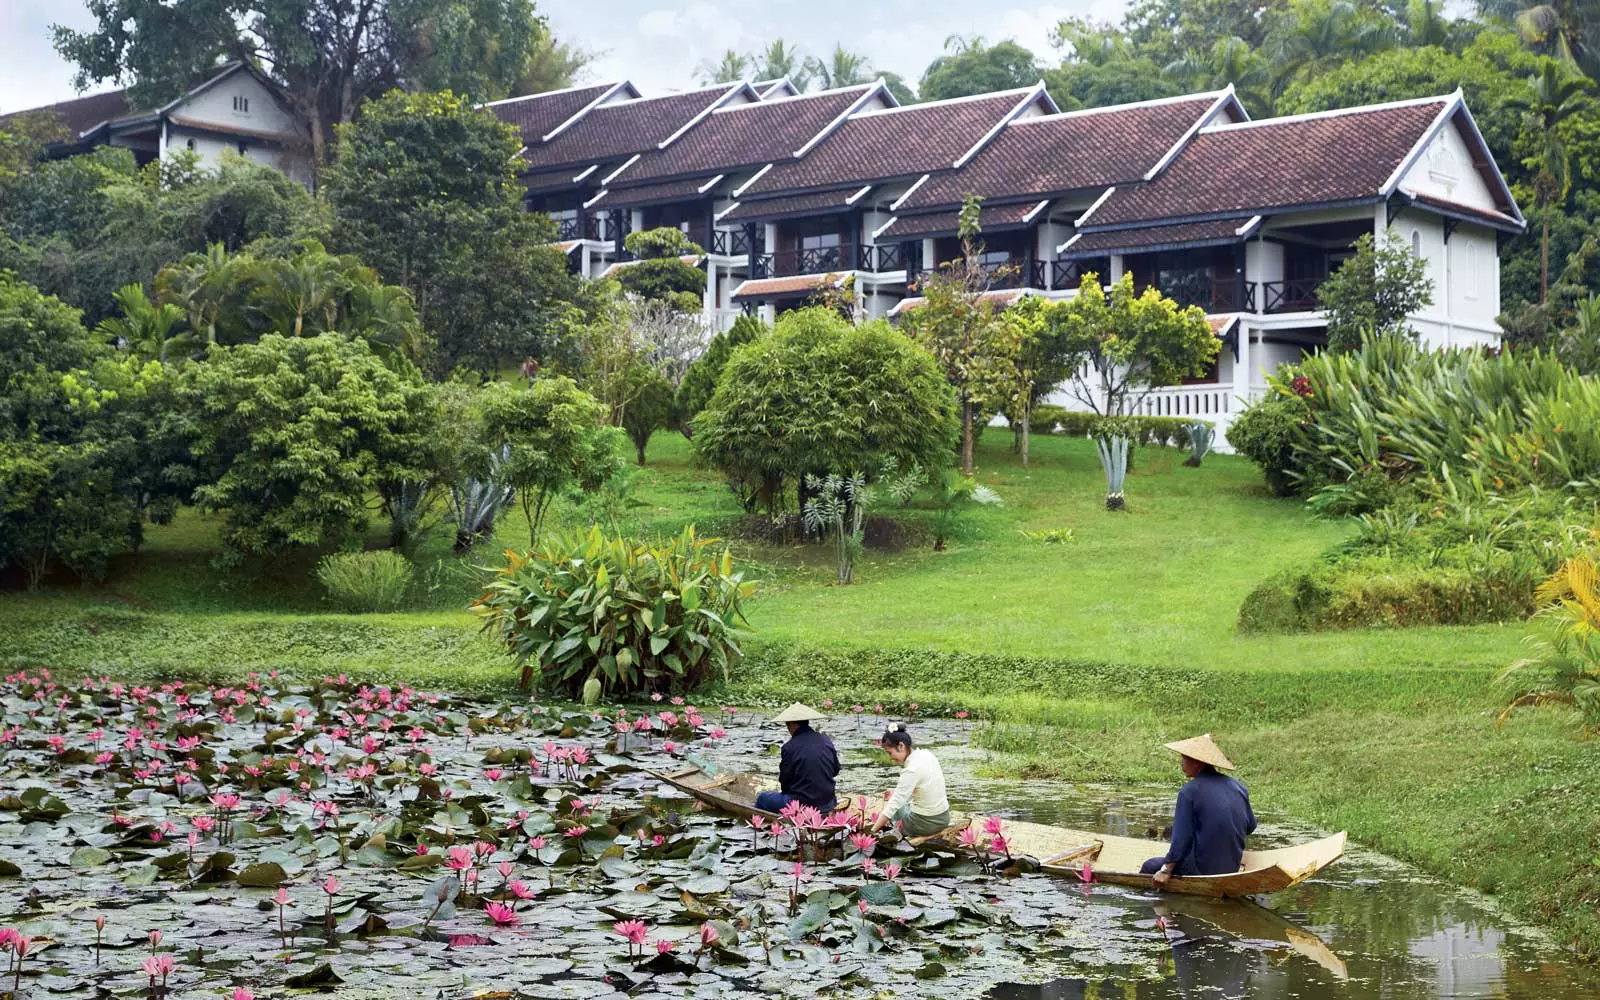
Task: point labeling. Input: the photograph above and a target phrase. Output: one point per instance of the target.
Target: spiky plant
(1201, 434)
(1113, 448)
(1565, 666)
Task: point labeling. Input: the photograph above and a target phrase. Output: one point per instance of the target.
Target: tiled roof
(745, 135)
(1057, 153)
(1000, 296)
(900, 142)
(1498, 219)
(536, 115)
(617, 131)
(1177, 237)
(947, 223)
(800, 204)
(1245, 169)
(795, 285)
(693, 260)
(81, 114)
(653, 194)
(551, 180)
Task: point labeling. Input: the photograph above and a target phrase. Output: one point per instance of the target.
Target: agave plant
(1113, 448)
(1201, 434)
(475, 504)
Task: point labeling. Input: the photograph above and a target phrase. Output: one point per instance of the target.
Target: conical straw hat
(1203, 749)
(798, 713)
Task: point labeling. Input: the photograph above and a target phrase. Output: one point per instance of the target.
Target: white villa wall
(1445, 170)
(1263, 261)
(1466, 281)
(214, 106)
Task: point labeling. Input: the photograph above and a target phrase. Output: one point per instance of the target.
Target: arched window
(1416, 243)
(191, 145)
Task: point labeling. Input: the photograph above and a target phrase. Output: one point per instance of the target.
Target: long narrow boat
(1060, 851)
(1117, 859)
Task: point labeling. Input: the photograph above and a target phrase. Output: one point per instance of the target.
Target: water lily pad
(321, 975)
(89, 857)
(263, 875)
(883, 894)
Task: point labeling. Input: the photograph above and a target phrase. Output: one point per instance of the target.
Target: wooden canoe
(733, 792)
(1061, 852)
(1117, 859)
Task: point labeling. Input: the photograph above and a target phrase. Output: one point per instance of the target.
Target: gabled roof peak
(767, 102)
(608, 87)
(991, 95)
(1204, 95)
(1336, 112)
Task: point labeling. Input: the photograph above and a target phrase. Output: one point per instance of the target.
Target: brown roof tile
(536, 115)
(617, 131)
(1499, 219)
(800, 204)
(798, 284)
(1003, 297)
(653, 194)
(1243, 170)
(900, 142)
(1056, 153)
(1177, 237)
(551, 180)
(745, 135)
(83, 113)
(945, 223)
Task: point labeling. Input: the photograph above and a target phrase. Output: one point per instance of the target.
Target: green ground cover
(1084, 656)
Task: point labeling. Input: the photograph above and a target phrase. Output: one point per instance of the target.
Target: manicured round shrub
(1266, 433)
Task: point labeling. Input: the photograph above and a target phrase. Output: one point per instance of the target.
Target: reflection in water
(1368, 928)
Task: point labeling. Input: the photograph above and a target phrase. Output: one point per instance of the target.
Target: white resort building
(792, 193)
(231, 111)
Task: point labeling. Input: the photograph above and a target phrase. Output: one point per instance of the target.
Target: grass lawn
(1085, 656)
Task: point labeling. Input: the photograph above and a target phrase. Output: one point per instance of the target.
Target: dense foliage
(1473, 474)
(322, 58)
(294, 436)
(1373, 292)
(84, 227)
(819, 395)
(423, 188)
(636, 616)
(1564, 665)
(700, 380)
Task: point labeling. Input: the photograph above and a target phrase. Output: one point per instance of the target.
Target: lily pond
(266, 840)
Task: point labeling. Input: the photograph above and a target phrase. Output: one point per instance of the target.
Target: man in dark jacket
(1212, 818)
(808, 765)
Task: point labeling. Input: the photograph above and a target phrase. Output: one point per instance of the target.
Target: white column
(1243, 370)
(1116, 269)
(927, 255)
(708, 299)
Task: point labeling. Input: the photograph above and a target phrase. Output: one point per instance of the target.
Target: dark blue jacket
(1209, 825)
(808, 767)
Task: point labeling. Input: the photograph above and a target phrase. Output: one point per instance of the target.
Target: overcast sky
(655, 43)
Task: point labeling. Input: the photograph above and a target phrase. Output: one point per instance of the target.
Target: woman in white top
(918, 802)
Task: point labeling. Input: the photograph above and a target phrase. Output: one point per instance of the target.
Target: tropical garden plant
(633, 616)
(1563, 666)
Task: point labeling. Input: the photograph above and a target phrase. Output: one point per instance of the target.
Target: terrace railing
(884, 257)
(1294, 295)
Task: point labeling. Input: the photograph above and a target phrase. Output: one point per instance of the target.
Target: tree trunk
(1027, 429)
(966, 438)
(1544, 256)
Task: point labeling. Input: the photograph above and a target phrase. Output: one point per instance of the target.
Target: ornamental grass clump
(630, 614)
(361, 582)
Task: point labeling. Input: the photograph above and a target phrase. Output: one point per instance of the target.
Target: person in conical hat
(808, 766)
(1211, 820)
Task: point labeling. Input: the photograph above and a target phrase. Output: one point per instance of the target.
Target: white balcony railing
(1204, 401)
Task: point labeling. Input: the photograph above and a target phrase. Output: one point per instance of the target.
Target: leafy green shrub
(1423, 561)
(700, 381)
(821, 395)
(1565, 666)
(1167, 431)
(1265, 433)
(360, 582)
(1044, 418)
(1049, 536)
(634, 615)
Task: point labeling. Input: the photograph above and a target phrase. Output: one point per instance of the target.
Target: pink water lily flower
(502, 915)
(331, 885)
(708, 935)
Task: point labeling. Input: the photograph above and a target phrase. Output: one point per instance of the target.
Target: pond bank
(1406, 757)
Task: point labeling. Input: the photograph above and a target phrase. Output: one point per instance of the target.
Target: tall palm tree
(1555, 95)
(1091, 44)
(302, 296)
(1328, 32)
(843, 69)
(1567, 29)
(730, 69)
(207, 286)
(1427, 24)
(779, 60)
(144, 329)
(1230, 60)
